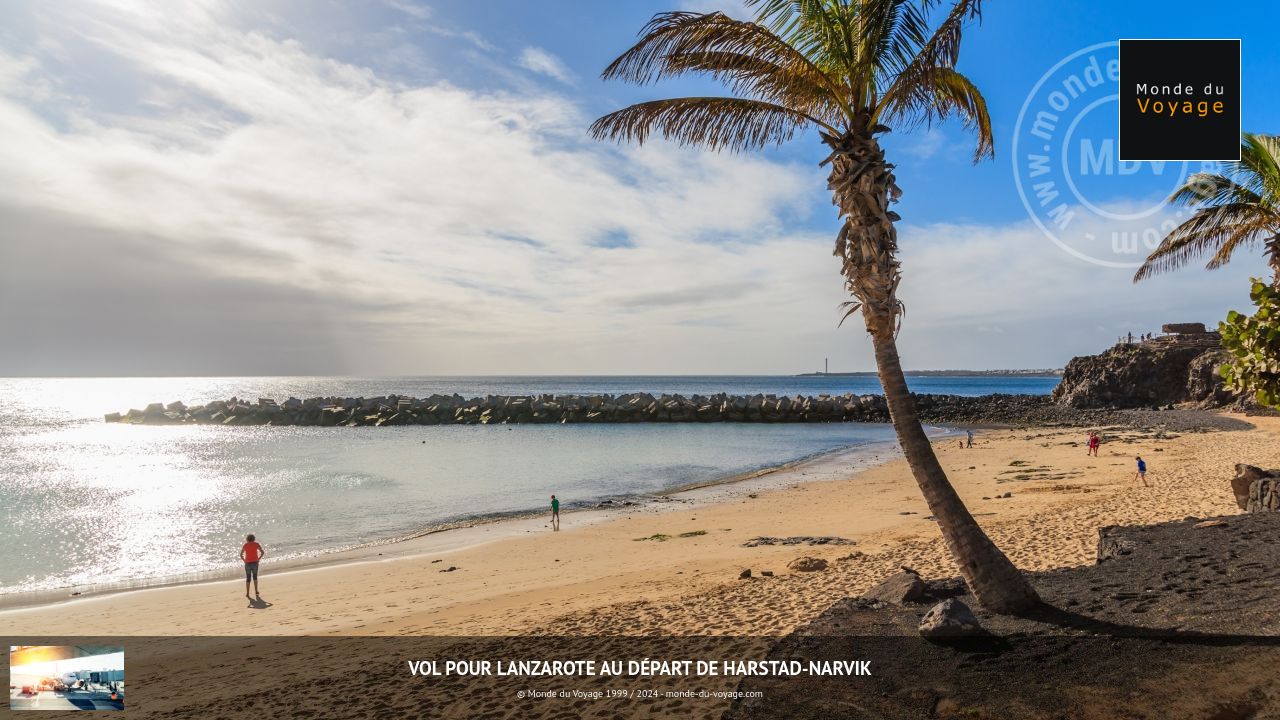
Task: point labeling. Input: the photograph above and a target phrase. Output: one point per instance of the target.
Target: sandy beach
(673, 568)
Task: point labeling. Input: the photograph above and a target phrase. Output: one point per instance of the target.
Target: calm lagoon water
(84, 502)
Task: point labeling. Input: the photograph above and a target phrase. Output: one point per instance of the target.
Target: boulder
(1264, 488)
(807, 564)
(899, 589)
(1113, 544)
(950, 619)
(1246, 475)
(1184, 328)
(1205, 387)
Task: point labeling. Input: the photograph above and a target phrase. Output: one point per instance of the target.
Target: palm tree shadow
(258, 603)
(1051, 615)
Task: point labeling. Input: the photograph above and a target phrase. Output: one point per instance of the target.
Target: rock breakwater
(393, 410)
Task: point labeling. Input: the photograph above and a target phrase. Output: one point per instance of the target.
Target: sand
(597, 576)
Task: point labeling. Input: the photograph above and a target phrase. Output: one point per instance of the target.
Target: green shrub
(1253, 342)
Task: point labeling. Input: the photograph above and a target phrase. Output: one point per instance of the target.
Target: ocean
(85, 503)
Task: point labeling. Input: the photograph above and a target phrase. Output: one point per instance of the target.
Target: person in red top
(251, 552)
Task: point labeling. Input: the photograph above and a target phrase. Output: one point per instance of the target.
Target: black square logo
(1179, 99)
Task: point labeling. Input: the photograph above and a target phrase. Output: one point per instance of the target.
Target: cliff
(1169, 370)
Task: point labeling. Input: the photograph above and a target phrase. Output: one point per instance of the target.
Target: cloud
(544, 63)
(187, 192)
(412, 9)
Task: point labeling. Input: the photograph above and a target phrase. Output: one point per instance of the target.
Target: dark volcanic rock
(898, 589)
(799, 540)
(1112, 544)
(1255, 489)
(1127, 376)
(1204, 384)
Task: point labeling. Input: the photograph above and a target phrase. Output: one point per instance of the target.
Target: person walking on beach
(555, 513)
(1142, 471)
(969, 433)
(251, 553)
(1094, 442)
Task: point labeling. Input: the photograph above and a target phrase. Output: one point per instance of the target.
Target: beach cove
(677, 571)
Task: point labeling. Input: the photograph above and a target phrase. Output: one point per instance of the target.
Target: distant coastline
(945, 373)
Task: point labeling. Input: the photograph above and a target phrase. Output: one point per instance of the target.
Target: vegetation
(1253, 341)
(849, 69)
(1239, 207)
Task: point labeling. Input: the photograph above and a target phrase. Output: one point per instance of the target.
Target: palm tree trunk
(997, 584)
(863, 185)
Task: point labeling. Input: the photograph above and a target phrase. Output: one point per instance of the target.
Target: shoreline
(469, 533)
(676, 568)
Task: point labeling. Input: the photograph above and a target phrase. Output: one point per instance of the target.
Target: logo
(1068, 169)
(1180, 99)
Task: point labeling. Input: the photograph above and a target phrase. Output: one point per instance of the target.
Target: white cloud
(544, 63)
(194, 195)
(412, 9)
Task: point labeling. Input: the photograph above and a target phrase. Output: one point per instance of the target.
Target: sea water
(85, 502)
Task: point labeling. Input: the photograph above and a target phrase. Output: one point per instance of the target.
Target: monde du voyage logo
(1109, 131)
(1179, 100)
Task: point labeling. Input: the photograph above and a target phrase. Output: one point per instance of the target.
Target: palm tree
(849, 69)
(1239, 207)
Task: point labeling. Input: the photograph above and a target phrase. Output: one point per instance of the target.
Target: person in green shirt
(555, 513)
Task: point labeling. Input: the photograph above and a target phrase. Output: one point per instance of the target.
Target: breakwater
(396, 410)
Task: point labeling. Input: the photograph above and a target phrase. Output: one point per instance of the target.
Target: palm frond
(1243, 236)
(1207, 231)
(823, 30)
(1259, 165)
(1212, 189)
(733, 124)
(939, 93)
(746, 55)
(941, 50)
(760, 79)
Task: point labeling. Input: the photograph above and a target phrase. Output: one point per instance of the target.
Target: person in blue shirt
(1142, 471)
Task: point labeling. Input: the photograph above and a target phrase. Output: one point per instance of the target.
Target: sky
(92, 663)
(402, 187)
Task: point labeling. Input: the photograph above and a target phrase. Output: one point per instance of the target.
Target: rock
(451, 568)
(950, 619)
(766, 573)
(745, 574)
(807, 564)
(1210, 523)
(112, 417)
(1134, 375)
(1112, 545)
(899, 589)
(1256, 490)
(798, 540)
(1205, 386)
